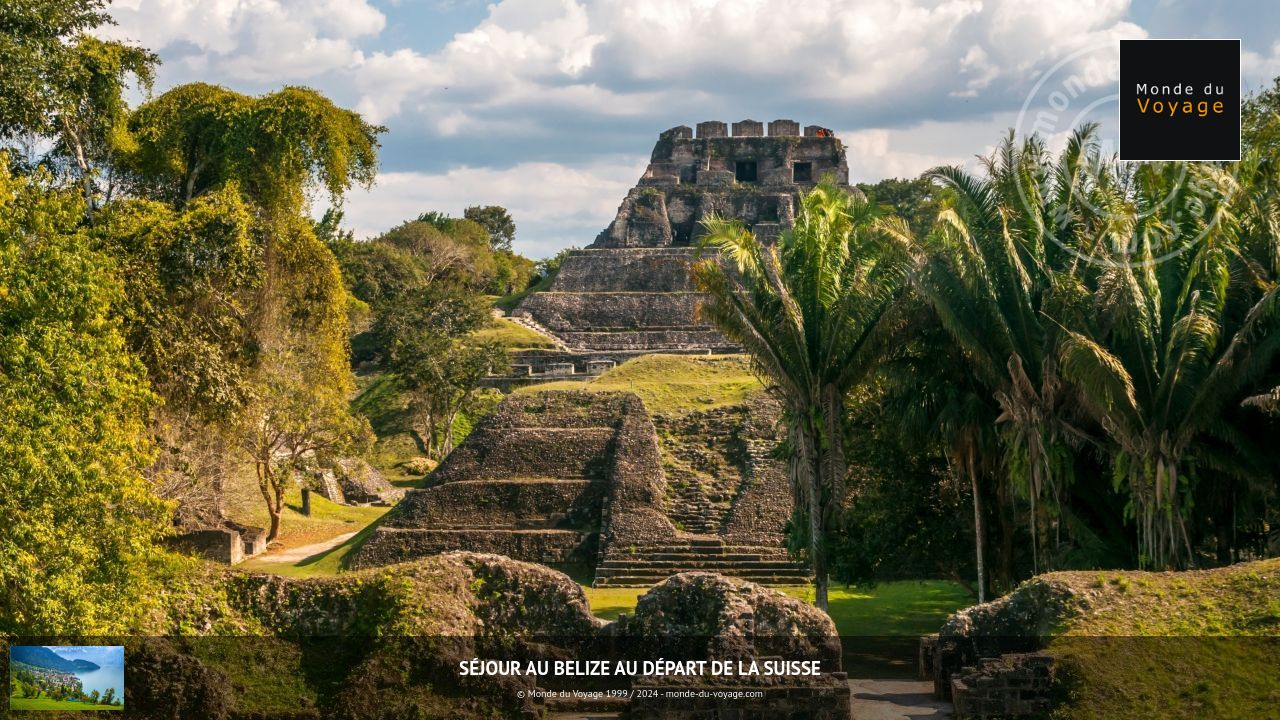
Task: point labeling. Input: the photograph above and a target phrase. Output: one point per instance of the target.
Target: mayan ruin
(583, 480)
(629, 292)
(381, 360)
(577, 481)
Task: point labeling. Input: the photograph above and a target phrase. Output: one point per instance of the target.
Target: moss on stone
(1130, 645)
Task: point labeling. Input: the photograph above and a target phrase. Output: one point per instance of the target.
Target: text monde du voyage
(1181, 99)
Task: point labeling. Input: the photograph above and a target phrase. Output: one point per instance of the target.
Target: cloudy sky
(550, 107)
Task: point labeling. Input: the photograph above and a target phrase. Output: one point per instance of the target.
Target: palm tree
(994, 263)
(814, 312)
(1171, 347)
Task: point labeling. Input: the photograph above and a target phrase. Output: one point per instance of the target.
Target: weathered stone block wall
(217, 544)
(556, 548)
(764, 504)
(779, 128)
(1011, 686)
(761, 509)
(555, 452)
(537, 361)
(632, 513)
(721, 475)
(626, 270)
(563, 311)
(625, 299)
(513, 486)
(712, 128)
(649, 340)
(555, 409)
(690, 178)
(518, 504)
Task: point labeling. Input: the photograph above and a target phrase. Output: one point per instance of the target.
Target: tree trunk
(830, 472)
(817, 551)
(1005, 513)
(977, 524)
(806, 468)
(433, 447)
(88, 198)
(446, 443)
(272, 493)
(276, 511)
(274, 532)
(82, 162)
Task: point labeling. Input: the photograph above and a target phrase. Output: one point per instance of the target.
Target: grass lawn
(512, 336)
(326, 520)
(510, 302)
(378, 399)
(904, 608)
(674, 384)
(1191, 644)
(324, 564)
(46, 703)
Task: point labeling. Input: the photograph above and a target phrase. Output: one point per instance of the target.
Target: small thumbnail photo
(66, 677)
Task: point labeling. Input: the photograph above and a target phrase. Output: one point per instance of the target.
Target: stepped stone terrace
(576, 480)
(630, 291)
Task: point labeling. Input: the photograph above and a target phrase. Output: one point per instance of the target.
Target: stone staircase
(330, 489)
(692, 512)
(651, 564)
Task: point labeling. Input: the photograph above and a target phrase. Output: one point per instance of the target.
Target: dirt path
(296, 555)
(896, 700)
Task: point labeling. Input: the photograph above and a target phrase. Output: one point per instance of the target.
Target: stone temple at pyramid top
(630, 291)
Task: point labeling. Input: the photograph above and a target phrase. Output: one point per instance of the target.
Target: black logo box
(1186, 65)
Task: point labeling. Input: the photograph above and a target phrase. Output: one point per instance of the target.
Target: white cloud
(553, 205)
(250, 40)
(916, 83)
(642, 54)
(1257, 70)
(879, 153)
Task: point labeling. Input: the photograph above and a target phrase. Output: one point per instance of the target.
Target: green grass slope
(512, 335)
(47, 703)
(674, 384)
(1130, 645)
(327, 519)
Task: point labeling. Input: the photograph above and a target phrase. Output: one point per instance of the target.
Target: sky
(104, 655)
(550, 108)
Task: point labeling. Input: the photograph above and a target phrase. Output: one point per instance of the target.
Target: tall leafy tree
(815, 314)
(295, 412)
(35, 35)
(277, 294)
(191, 278)
(277, 147)
(994, 264)
(427, 340)
(1166, 356)
(89, 112)
(935, 403)
(917, 201)
(496, 221)
(59, 84)
(80, 521)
